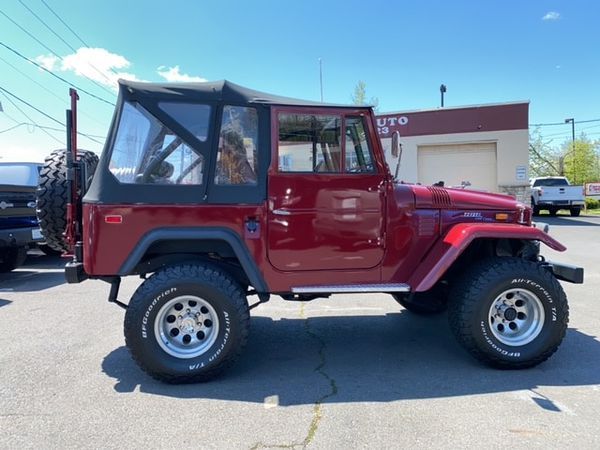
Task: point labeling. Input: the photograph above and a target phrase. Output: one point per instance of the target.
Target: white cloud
(47, 61)
(97, 64)
(172, 74)
(551, 15)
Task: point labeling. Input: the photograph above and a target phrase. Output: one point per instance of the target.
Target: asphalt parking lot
(348, 372)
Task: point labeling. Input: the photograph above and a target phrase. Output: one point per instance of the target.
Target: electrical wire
(46, 128)
(54, 94)
(31, 120)
(52, 51)
(43, 113)
(65, 42)
(561, 123)
(39, 66)
(66, 25)
(13, 127)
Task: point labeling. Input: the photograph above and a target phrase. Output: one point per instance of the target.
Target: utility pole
(572, 122)
(442, 92)
(321, 77)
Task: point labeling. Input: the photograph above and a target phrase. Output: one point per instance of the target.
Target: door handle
(281, 212)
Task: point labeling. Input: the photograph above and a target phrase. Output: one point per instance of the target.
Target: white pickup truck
(554, 193)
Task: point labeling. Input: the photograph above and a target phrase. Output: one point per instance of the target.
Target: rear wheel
(53, 195)
(11, 258)
(553, 211)
(509, 313)
(187, 323)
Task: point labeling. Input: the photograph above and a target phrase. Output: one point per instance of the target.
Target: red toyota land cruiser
(212, 192)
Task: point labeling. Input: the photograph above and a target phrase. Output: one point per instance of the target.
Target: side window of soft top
(145, 151)
(237, 157)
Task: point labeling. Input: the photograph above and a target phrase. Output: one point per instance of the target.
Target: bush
(592, 203)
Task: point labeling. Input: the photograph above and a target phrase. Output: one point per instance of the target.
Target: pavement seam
(317, 407)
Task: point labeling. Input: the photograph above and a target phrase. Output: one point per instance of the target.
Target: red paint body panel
(463, 199)
(448, 249)
(325, 222)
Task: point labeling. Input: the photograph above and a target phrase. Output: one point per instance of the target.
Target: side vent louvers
(440, 197)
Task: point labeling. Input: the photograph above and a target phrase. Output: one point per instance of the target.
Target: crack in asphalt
(318, 405)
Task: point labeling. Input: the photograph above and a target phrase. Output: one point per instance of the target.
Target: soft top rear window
(145, 151)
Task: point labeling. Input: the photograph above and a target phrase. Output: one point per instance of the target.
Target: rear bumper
(19, 237)
(565, 272)
(74, 272)
(559, 203)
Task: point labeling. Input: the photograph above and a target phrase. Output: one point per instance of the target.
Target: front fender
(447, 250)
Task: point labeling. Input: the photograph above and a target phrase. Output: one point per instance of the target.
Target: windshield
(551, 182)
(19, 174)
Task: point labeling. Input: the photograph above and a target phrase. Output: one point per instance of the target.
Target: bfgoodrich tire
(509, 313)
(53, 196)
(187, 323)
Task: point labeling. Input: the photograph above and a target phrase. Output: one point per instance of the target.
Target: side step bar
(351, 288)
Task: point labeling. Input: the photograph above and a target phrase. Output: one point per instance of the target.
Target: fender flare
(447, 249)
(188, 233)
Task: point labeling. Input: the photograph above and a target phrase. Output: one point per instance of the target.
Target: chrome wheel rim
(186, 326)
(516, 317)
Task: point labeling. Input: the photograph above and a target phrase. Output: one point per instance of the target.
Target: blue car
(19, 228)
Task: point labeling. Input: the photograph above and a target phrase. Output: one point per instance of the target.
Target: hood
(446, 198)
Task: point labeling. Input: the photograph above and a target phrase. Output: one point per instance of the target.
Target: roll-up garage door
(455, 163)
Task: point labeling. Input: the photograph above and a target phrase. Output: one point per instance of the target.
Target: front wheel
(187, 323)
(509, 313)
(575, 212)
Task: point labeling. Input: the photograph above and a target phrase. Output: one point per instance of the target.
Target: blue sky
(484, 51)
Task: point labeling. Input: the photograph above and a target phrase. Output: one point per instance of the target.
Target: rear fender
(447, 250)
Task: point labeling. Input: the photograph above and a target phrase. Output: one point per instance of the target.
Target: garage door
(456, 163)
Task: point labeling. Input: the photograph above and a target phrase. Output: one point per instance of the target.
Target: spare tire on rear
(53, 195)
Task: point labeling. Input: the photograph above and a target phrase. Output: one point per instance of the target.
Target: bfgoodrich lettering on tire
(509, 313)
(187, 323)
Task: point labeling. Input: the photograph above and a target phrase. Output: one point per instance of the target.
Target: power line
(39, 66)
(14, 126)
(65, 42)
(46, 128)
(561, 123)
(65, 24)
(51, 51)
(43, 113)
(31, 106)
(30, 119)
(54, 94)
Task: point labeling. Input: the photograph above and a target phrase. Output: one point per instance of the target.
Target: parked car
(555, 193)
(19, 228)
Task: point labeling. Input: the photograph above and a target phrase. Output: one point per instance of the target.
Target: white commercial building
(485, 145)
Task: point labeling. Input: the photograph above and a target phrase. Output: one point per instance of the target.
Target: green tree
(544, 160)
(579, 160)
(359, 97)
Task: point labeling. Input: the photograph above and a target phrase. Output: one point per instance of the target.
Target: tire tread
(471, 287)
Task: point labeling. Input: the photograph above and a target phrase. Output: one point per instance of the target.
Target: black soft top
(211, 91)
